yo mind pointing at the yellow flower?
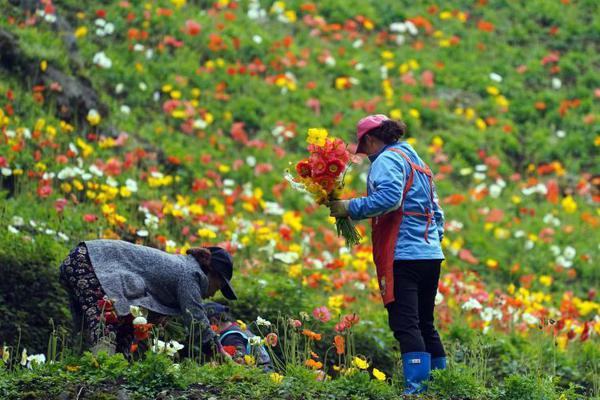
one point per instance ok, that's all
(569, 205)
(178, 3)
(295, 271)
(275, 377)
(491, 263)
(445, 15)
(44, 65)
(317, 136)
(396, 113)
(242, 324)
(413, 112)
(341, 83)
(206, 233)
(380, 376)
(493, 90)
(80, 32)
(293, 220)
(360, 363)
(93, 117)
(249, 360)
(546, 280)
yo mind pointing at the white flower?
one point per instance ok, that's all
(119, 88)
(173, 347)
(398, 27)
(439, 298)
(125, 109)
(6, 171)
(357, 43)
(530, 319)
(555, 250)
(142, 233)
(289, 257)
(24, 357)
(131, 185)
(101, 60)
(62, 236)
(143, 87)
(158, 346)
(330, 61)
(251, 161)
(35, 359)
(569, 252)
(495, 77)
(200, 123)
(95, 170)
(556, 83)
(412, 29)
(273, 208)
(560, 133)
(465, 171)
(18, 221)
(400, 40)
(529, 244)
(255, 341)
(257, 39)
(262, 322)
(471, 304)
(140, 321)
(495, 191)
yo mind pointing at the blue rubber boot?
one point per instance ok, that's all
(438, 363)
(417, 368)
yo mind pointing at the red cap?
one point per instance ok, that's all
(365, 125)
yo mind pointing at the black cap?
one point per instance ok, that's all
(213, 309)
(221, 262)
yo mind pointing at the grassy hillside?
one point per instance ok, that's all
(171, 123)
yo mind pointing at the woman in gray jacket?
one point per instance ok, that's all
(114, 275)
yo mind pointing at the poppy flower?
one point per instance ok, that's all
(304, 168)
(334, 168)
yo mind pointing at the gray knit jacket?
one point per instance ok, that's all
(134, 275)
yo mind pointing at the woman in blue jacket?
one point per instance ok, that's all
(407, 228)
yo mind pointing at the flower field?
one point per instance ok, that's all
(172, 123)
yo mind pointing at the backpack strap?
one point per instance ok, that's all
(409, 181)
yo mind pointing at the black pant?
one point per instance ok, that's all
(411, 313)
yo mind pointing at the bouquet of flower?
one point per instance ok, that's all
(321, 175)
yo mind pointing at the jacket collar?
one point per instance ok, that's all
(373, 157)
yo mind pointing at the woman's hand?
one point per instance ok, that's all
(339, 208)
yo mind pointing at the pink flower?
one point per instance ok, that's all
(59, 205)
(322, 314)
(90, 218)
(192, 28)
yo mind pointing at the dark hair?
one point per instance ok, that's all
(202, 257)
(389, 131)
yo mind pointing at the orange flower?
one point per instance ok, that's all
(485, 26)
(310, 363)
(339, 343)
(311, 335)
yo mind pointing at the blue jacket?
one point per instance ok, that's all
(385, 184)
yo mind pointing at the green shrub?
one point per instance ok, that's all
(457, 382)
(30, 292)
(529, 387)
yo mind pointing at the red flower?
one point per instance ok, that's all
(90, 218)
(318, 165)
(326, 182)
(231, 350)
(334, 168)
(142, 331)
(351, 319)
(303, 168)
(44, 190)
(192, 28)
